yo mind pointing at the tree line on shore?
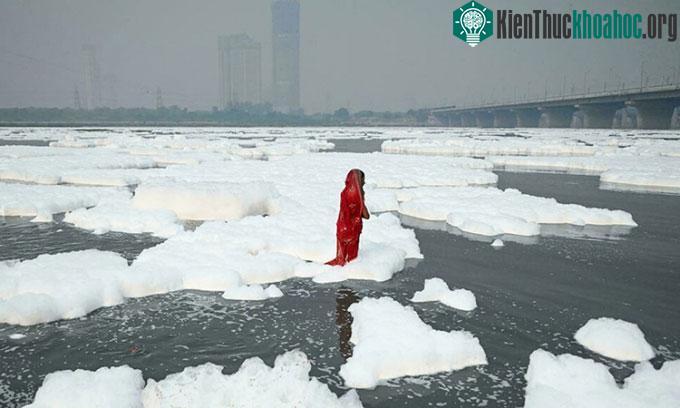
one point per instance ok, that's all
(241, 115)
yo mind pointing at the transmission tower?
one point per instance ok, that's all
(93, 94)
(159, 98)
(76, 98)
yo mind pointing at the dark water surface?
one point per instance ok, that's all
(22, 239)
(530, 295)
(356, 145)
(24, 142)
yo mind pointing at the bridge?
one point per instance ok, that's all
(653, 109)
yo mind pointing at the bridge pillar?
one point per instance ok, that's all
(484, 119)
(655, 114)
(504, 119)
(557, 117)
(443, 118)
(527, 117)
(577, 119)
(625, 118)
(468, 119)
(600, 116)
(618, 119)
(449, 119)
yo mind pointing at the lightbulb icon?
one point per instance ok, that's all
(473, 22)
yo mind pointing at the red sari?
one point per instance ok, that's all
(349, 223)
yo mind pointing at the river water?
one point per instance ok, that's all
(531, 294)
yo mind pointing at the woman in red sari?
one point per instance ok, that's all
(350, 223)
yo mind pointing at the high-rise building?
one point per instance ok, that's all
(286, 55)
(92, 97)
(240, 70)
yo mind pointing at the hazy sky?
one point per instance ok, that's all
(361, 54)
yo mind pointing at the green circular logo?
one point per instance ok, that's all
(473, 23)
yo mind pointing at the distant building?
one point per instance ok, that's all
(286, 55)
(93, 97)
(240, 70)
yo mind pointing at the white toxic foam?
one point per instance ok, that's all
(44, 201)
(56, 165)
(615, 339)
(659, 175)
(286, 385)
(63, 286)
(639, 172)
(497, 243)
(120, 215)
(258, 250)
(571, 381)
(217, 256)
(376, 262)
(491, 211)
(631, 160)
(281, 217)
(487, 147)
(107, 387)
(102, 177)
(391, 341)
(299, 172)
(207, 200)
(436, 290)
(252, 292)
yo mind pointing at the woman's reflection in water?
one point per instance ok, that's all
(344, 298)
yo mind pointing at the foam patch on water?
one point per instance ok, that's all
(286, 385)
(213, 185)
(55, 166)
(252, 292)
(615, 339)
(436, 290)
(62, 286)
(467, 147)
(298, 198)
(631, 160)
(258, 250)
(493, 212)
(44, 201)
(119, 215)
(217, 256)
(571, 381)
(375, 262)
(391, 341)
(106, 387)
(299, 172)
(207, 200)
(624, 172)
